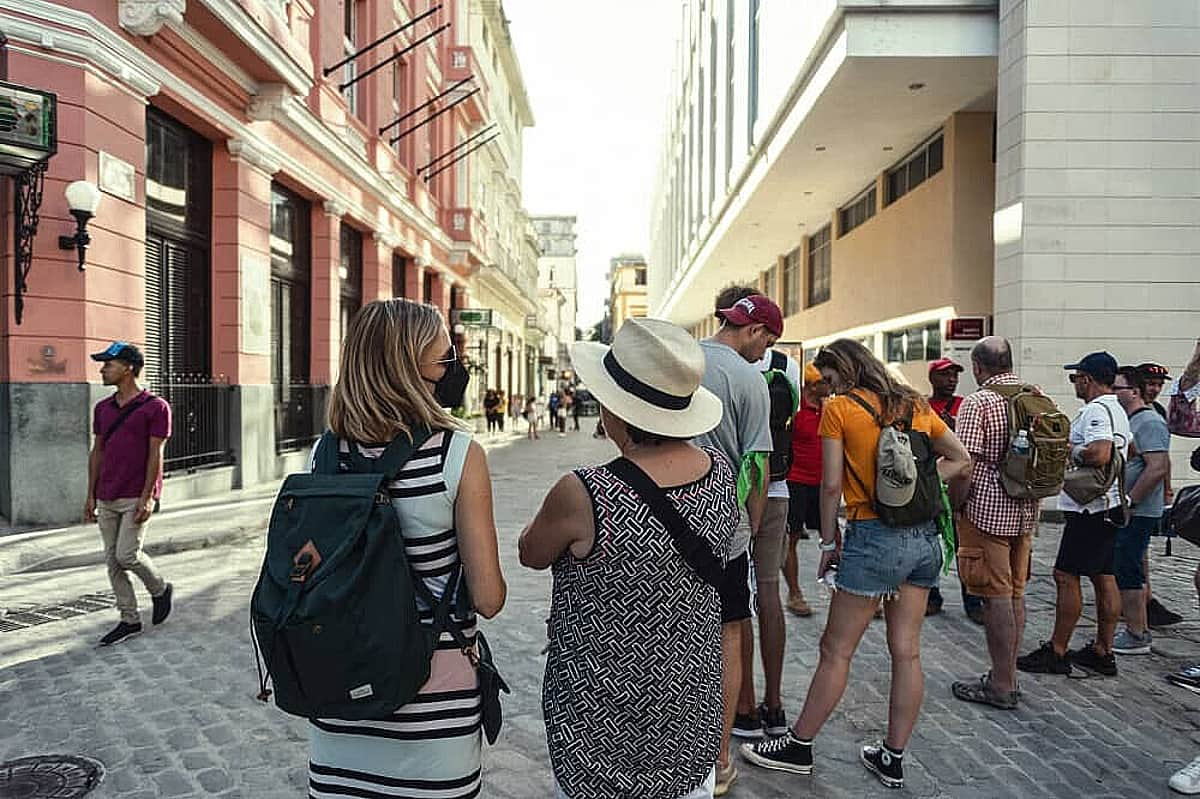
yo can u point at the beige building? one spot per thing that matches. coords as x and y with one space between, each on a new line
627 292
897 170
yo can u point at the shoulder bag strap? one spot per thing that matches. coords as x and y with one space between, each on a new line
1119 469
866 406
126 412
691 547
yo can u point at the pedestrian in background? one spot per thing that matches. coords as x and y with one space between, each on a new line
945 402
491 401
552 406
898 564
501 409
1145 471
1099 433
804 481
131 429
531 414
1154 377
399 373
749 328
632 691
995 531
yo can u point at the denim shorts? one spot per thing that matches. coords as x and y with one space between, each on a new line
1129 551
877 559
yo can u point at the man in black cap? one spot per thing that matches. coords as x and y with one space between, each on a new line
1088 539
124 480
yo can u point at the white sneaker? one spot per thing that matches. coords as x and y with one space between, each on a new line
1187 779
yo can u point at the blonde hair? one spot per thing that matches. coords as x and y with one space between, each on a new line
379 392
856 365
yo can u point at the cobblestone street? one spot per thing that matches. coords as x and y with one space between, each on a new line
172 713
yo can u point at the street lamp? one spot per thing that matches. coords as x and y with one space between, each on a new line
83 198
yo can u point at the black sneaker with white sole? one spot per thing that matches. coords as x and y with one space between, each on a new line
774 722
884 764
747 725
162 604
1092 662
785 753
121 632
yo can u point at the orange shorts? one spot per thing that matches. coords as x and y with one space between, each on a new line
992 565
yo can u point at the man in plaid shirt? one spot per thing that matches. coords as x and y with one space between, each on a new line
995 531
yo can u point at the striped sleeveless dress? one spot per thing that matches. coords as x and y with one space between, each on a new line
430 748
632 691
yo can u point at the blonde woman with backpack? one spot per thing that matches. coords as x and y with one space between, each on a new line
399 374
895 562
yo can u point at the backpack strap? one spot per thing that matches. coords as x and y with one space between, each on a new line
328 454
691 547
866 406
443 621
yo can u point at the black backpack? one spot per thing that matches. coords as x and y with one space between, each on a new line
1185 514
784 404
334 610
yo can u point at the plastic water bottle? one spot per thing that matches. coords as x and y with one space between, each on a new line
1020 445
829 578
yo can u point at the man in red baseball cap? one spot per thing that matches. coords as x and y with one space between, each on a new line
943 379
755 310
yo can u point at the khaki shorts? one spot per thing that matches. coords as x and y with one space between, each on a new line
768 546
994 566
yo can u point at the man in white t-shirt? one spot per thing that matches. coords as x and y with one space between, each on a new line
1100 429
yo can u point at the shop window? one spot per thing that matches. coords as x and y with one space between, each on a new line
791 282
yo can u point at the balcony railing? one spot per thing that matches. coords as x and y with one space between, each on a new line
299 416
201 422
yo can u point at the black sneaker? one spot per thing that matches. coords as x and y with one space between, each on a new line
1044 660
162 605
1157 614
773 722
119 633
747 725
785 753
884 764
1088 659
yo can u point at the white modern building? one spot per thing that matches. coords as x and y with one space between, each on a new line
911 172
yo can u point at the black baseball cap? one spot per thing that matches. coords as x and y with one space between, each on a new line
121 351
1153 371
1099 365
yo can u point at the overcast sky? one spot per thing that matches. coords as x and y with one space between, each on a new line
598 76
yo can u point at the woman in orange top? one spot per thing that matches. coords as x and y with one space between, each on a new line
874 562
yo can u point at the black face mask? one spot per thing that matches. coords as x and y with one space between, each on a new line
450 390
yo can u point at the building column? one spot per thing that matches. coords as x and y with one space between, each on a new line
414 281
241 302
326 256
377 266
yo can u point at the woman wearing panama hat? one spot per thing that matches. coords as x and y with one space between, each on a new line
632 691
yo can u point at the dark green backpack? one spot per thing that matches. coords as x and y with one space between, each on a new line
334 610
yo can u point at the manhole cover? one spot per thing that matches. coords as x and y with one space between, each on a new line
57 776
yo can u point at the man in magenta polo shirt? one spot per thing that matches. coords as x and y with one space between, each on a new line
124 480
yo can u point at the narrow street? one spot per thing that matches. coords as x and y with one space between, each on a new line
172 713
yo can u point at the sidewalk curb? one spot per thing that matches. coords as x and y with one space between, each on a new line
171 532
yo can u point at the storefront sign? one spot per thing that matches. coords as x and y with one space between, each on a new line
28 127
471 317
966 328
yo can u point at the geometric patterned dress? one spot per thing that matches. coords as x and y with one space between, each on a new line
430 748
632 691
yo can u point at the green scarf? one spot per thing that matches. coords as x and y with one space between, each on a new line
945 523
752 463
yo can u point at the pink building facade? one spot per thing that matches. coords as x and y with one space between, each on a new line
250 205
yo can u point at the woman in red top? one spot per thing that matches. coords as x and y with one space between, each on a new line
804 481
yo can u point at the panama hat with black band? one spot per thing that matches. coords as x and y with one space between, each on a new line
650 378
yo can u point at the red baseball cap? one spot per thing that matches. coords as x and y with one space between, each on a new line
755 310
942 364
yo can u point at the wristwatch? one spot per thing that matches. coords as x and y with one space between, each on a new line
830 547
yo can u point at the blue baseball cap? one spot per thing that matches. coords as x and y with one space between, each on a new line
121 351
1099 365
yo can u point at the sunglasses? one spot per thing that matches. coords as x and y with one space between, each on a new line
1075 378
451 357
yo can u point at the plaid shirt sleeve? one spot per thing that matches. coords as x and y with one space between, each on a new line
969 426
